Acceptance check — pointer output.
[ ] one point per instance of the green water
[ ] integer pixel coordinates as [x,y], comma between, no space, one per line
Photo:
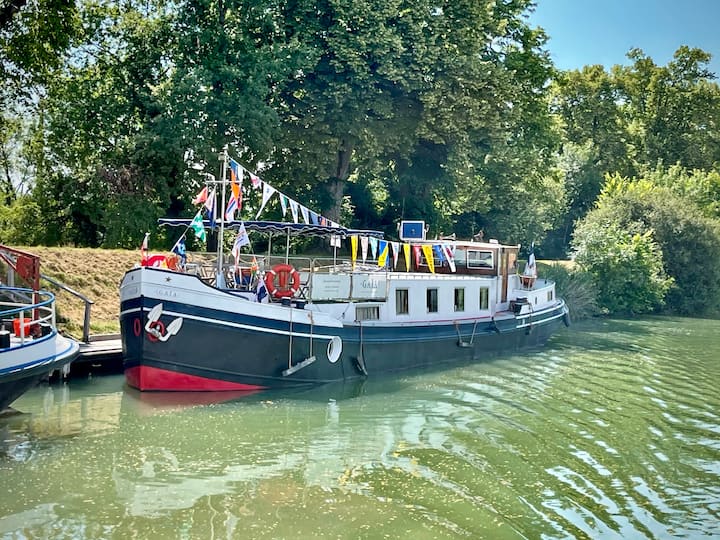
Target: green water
[612,431]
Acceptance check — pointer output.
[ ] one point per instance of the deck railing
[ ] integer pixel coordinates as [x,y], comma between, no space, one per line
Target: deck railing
[27,316]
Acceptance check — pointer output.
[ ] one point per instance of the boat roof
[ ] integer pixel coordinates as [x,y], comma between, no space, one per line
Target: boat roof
[278,227]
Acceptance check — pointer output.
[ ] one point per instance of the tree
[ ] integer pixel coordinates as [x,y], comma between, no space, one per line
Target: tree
[420,95]
[673,111]
[106,149]
[684,242]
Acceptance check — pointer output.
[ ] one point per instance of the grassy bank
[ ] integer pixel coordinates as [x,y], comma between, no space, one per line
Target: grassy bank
[95,273]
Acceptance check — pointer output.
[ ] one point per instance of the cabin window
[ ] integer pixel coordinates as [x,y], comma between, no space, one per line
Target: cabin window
[367,313]
[459,299]
[550,296]
[479,259]
[484,298]
[402,306]
[432,300]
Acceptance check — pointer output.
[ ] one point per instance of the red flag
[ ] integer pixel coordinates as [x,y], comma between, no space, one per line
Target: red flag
[201,197]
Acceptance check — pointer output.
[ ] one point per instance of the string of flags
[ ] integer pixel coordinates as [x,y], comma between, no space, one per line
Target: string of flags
[386,252]
[235,199]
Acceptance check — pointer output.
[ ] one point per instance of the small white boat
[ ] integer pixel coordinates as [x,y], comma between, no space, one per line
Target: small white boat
[30,346]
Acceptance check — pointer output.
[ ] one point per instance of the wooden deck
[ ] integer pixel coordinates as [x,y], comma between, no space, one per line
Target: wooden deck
[102,354]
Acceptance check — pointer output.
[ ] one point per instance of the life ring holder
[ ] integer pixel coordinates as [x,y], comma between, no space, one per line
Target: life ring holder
[283,289]
[334,349]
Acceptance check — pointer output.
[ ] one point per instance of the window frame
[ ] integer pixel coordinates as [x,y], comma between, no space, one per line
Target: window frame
[403,302]
[432,299]
[484,298]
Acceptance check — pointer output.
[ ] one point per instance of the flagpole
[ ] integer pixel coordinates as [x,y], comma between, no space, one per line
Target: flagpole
[223,158]
[178,240]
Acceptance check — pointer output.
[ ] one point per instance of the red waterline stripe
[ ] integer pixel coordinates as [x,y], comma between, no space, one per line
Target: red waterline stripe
[152,378]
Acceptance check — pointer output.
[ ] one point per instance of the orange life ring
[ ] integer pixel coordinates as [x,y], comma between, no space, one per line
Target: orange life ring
[285,287]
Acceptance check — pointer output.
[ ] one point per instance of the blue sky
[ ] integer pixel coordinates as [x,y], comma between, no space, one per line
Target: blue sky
[584,32]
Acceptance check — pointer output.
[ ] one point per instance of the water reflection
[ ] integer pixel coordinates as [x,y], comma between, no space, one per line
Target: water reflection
[569,442]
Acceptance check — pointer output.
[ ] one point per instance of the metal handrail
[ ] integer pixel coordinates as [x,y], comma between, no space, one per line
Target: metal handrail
[47,305]
[85,299]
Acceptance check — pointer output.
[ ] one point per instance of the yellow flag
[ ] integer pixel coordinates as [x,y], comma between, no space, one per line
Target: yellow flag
[353,249]
[428,252]
[406,252]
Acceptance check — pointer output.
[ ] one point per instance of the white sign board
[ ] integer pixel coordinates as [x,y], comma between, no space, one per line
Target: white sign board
[369,286]
[330,286]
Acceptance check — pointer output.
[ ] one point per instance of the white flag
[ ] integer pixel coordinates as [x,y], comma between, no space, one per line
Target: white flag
[396,252]
[363,247]
[242,239]
[294,210]
[450,256]
[268,191]
[373,247]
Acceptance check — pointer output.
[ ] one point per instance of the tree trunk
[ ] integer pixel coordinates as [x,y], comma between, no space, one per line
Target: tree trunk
[337,183]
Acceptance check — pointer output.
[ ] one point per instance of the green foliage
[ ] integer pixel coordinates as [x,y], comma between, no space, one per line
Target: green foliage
[21,222]
[634,120]
[626,266]
[576,287]
[689,241]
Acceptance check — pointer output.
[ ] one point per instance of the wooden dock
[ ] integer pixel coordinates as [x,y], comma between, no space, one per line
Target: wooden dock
[101,354]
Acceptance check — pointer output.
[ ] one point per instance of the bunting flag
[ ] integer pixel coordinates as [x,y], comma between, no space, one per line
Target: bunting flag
[197,226]
[383,248]
[294,210]
[396,253]
[236,171]
[353,249]
[256,182]
[416,254]
[428,252]
[210,205]
[450,257]
[230,209]
[268,192]
[363,247]
[373,247]
[406,250]
[437,248]
[201,197]
[235,202]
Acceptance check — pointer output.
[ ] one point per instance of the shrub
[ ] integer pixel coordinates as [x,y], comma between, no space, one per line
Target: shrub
[576,287]
[626,266]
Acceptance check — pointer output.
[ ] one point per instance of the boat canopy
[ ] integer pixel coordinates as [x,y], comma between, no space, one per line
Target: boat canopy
[277,227]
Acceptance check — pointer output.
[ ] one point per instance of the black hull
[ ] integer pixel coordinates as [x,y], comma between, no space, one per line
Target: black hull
[14,385]
[240,351]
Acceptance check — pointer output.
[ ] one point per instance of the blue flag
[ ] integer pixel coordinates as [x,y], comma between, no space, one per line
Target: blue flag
[179,250]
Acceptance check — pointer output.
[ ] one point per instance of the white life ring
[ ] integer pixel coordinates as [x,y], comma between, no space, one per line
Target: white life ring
[334,349]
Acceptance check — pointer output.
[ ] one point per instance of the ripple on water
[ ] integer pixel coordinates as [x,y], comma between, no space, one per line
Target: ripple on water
[611,431]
